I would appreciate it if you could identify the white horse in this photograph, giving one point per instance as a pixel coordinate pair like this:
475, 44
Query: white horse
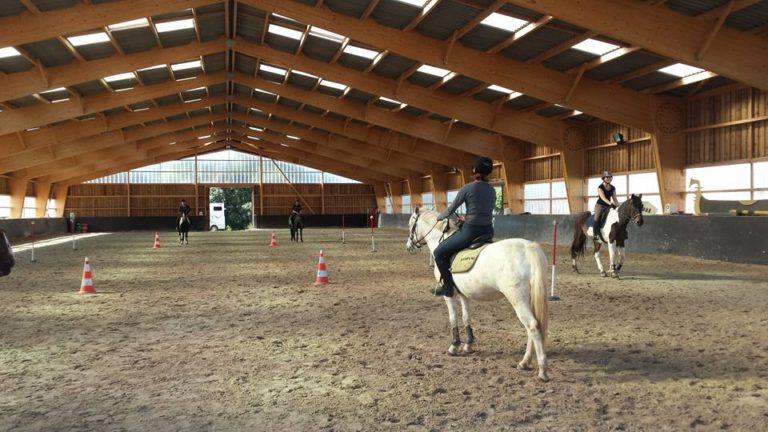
512, 268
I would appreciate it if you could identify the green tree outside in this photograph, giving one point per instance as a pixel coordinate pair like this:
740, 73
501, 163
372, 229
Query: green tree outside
237, 206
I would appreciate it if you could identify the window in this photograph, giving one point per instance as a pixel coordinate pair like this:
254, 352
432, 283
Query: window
427, 201
451, 195
746, 181
5, 206
406, 200
30, 207
545, 198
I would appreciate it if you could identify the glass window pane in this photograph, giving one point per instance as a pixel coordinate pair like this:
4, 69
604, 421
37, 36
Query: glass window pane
643, 183
558, 190
536, 206
720, 177
655, 201
591, 203
620, 183
760, 195
592, 185
560, 206
426, 200
535, 190
760, 170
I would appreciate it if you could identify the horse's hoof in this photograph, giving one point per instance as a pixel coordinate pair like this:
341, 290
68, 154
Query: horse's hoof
543, 376
453, 350
603, 274
467, 349
523, 367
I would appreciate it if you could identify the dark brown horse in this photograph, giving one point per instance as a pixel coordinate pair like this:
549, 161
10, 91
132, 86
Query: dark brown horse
613, 232
6, 255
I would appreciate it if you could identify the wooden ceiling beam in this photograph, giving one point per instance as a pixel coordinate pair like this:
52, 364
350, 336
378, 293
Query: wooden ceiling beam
32, 27
26, 83
610, 102
734, 54
525, 126
41, 115
71, 131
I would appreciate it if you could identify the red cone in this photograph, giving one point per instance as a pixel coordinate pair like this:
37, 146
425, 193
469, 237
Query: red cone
157, 241
86, 286
274, 240
322, 272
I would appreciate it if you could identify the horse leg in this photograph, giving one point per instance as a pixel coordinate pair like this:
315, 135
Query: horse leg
301, 234
620, 251
597, 259
467, 319
525, 315
455, 339
612, 258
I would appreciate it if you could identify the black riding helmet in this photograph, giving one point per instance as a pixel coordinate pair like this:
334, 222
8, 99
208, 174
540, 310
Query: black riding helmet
483, 165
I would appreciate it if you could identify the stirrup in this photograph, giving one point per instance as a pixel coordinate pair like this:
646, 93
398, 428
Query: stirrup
443, 290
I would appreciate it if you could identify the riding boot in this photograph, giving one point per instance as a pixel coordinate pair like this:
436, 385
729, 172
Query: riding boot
444, 289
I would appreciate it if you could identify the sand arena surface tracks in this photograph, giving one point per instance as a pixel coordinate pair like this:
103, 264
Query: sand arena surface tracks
229, 334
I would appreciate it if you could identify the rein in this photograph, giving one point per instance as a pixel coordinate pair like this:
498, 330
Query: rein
418, 243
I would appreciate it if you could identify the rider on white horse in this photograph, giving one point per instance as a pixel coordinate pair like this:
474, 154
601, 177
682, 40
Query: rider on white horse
606, 200
480, 198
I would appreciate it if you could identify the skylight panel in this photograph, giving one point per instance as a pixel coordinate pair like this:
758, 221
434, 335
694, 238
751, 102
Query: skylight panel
141, 109
257, 129
186, 65
88, 39
284, 31
160, 66
60, 100
333, 85
595, 47
204, 137
123, 89
272, 69
292, 137
360, 52
264, 92
126, 25
196, 89
58, 89
431, 70
192, 100
9, 52
325, 34
504, 22
384, 99
120, 77
253, 138
418, 3
681, 70
285, 18
170, 26
256, 109
298, 72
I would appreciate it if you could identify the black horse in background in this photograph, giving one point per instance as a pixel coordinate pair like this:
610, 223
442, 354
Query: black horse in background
6, 255
182, 226
296, 224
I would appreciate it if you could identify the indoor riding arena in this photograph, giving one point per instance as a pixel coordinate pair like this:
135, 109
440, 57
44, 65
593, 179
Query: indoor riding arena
220, 215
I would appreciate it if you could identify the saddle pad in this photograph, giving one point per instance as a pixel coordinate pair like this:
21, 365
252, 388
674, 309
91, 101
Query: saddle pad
463, 261
590, 220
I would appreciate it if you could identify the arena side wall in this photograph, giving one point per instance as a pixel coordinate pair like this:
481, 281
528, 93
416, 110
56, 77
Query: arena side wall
742, 239
19, 229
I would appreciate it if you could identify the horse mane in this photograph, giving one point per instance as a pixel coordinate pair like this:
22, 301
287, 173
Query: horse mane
430, 216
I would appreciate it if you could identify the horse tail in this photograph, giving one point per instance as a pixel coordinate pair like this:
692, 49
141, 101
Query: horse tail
538, 287
579, 243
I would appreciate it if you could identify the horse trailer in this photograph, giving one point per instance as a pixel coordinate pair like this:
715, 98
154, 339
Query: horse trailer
216, 218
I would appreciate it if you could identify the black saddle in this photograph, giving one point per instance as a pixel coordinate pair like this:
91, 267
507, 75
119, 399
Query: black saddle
480, 241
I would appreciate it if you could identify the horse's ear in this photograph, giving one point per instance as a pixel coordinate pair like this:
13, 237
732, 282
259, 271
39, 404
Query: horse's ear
416, 211
640, 196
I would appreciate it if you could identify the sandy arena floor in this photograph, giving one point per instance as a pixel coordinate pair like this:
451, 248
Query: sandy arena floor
228, 334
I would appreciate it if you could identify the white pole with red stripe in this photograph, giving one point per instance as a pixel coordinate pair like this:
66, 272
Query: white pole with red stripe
552, 295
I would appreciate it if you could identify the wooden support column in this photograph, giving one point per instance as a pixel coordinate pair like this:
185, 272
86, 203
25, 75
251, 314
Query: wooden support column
380, 189
439, 187
415, 190
466, 168
60, 195
514, 176
572, 158
668, 144
18, 189
42, 192
396, 194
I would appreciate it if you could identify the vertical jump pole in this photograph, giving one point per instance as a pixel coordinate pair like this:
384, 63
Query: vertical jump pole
552, 296
343, 240
373, 239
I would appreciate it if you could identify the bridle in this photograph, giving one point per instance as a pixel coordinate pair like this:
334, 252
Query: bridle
419, 243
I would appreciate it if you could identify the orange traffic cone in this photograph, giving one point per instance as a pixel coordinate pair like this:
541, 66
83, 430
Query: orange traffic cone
273, 243
322, 272
86, 286
157, 241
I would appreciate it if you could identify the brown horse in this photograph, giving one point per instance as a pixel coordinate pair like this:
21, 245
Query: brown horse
613, 232
6, 255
